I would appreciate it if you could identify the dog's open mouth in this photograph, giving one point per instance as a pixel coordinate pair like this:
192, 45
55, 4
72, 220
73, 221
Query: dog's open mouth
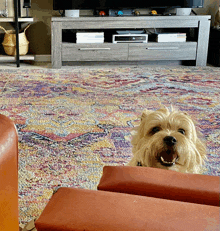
167, 158
166, 163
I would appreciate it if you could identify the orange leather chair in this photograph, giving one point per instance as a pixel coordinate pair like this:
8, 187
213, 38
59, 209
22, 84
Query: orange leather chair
8, 175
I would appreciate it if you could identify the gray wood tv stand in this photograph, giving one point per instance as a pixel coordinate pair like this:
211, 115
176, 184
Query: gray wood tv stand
190, 50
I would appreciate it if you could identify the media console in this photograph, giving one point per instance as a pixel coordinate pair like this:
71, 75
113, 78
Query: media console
189, 50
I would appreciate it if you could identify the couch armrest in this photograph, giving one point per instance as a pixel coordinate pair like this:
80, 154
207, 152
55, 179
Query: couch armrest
8, 175
161, 183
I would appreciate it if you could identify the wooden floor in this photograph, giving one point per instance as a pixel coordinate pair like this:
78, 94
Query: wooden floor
47, 65
31, 65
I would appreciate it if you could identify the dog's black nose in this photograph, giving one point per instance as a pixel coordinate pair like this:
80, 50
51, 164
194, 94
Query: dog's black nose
170, 140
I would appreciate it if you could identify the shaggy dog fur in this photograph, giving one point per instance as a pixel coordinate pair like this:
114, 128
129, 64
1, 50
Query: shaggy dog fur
167, 139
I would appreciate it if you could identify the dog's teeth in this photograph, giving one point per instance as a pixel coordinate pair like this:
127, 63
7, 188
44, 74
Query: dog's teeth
165, 162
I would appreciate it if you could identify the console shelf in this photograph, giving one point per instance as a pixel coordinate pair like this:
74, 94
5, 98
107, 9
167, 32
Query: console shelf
16, 20
190, 50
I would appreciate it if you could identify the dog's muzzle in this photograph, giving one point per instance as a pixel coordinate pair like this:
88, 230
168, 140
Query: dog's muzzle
168, 156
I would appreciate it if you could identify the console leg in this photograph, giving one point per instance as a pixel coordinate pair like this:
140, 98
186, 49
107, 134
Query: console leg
56, 44
203, 40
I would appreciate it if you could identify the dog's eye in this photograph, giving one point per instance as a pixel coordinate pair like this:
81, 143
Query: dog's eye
182, 131
155, 130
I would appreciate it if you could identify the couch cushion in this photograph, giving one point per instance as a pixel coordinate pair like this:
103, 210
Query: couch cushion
80, 209
160, 183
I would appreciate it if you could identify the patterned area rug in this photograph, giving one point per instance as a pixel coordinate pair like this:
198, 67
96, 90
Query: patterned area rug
72, 122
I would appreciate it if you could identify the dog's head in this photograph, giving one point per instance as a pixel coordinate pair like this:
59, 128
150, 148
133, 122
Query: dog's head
168, 139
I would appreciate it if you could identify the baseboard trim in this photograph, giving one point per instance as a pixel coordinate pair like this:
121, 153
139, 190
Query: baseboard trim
42, 58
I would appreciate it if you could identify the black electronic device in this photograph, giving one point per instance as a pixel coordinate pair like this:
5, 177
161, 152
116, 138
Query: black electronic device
27, 5
130, 38
124, 4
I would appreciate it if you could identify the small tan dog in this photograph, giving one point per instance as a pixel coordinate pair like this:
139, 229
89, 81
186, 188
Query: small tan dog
168, 140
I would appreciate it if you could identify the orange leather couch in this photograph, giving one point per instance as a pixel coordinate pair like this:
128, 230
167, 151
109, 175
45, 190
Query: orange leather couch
160, 183
162, 200
8, 175
72, 209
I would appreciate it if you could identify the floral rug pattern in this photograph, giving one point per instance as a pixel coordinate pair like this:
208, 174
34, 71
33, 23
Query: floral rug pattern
72, 122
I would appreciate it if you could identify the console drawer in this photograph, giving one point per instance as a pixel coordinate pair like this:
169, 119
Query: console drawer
94, 52
163, 51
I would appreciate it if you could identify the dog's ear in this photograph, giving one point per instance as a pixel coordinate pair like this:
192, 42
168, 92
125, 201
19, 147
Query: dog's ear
145, 113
